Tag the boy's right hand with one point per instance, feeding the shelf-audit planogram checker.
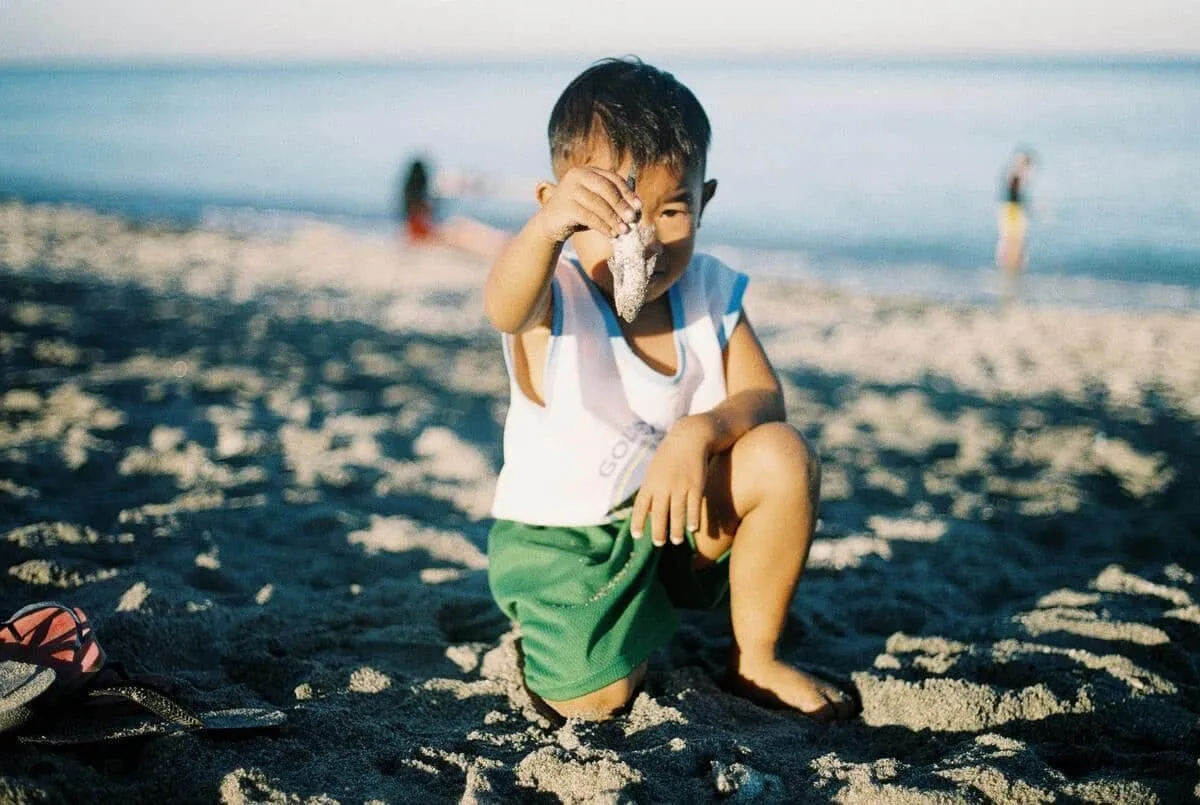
(586, 198)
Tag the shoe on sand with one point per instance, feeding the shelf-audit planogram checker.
(56, 636)
(105, 716)
(20, 684)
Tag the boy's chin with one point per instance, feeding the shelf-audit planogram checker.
(660, 281)
(657, 288)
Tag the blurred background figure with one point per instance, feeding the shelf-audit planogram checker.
(419, 219)
(415, 209)
(1013, 220)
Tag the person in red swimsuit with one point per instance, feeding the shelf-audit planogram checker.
(416, 206)
(419, 224)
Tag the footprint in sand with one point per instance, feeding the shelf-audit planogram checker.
(1074, 652)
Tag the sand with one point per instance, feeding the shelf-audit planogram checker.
(263, 466)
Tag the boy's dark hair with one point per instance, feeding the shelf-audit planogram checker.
(645, 112)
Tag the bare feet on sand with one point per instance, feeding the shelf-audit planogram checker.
(777, 684)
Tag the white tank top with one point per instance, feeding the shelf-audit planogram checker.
(579, 458)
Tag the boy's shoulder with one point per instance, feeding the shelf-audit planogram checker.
(704, 258)
(703, 262)
(711, 273)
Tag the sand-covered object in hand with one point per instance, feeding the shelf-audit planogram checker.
(631, 270)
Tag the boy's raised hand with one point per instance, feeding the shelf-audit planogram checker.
(673, 489)
(586, 198)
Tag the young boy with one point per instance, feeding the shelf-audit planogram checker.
(647, 464)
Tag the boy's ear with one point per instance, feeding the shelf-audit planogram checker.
(706, 193)
(544, 192)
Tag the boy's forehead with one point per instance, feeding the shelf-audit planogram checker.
(598, 153)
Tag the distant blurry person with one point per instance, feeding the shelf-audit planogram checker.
(1013, 219)
(416, 205)
(419, 221)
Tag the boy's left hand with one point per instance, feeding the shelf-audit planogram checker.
(673, 489)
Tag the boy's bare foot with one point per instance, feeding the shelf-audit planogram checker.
(777, 684)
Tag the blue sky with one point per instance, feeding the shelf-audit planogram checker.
(35, 30)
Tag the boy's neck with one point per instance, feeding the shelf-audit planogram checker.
(655, 317)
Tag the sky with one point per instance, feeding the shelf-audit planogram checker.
(289, 30)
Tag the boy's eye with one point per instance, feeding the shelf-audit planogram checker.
(671, 212)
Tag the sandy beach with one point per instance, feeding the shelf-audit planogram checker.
(263, 466)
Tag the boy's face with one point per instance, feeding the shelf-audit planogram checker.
(671, 202)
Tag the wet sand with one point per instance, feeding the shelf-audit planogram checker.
(263, 466)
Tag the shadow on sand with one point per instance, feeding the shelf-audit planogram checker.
(270, 505)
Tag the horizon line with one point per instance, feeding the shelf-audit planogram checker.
(732, 58)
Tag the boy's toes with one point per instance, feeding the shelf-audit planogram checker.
(825, 714)
(777, 684)
(842, 705)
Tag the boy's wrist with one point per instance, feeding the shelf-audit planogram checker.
(555, 235)
(704, 425)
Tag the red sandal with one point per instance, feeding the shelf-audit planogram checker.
(56, 636)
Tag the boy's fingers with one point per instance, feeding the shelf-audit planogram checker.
(622, 185)
(678, 515)
(695, 499)
(599, 207)
(613, 189)
(658, 520)
(595, 221)
(637, 520)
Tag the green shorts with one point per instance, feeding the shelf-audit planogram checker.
(592, 603)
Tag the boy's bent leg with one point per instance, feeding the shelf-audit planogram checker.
(603, 703)
(762, 499)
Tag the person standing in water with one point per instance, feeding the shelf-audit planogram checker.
(1013, 219)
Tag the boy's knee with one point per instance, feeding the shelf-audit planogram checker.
(602, 704)
(782, 456)
(590, 707)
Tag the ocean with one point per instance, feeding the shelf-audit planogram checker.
(875, 175)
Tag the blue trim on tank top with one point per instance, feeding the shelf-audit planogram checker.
(556, 327)
(733, 311)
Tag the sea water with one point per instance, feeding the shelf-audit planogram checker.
(872, 175)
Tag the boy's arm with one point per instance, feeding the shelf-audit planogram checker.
(754, 395)
(518, 286)
(671, 494)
